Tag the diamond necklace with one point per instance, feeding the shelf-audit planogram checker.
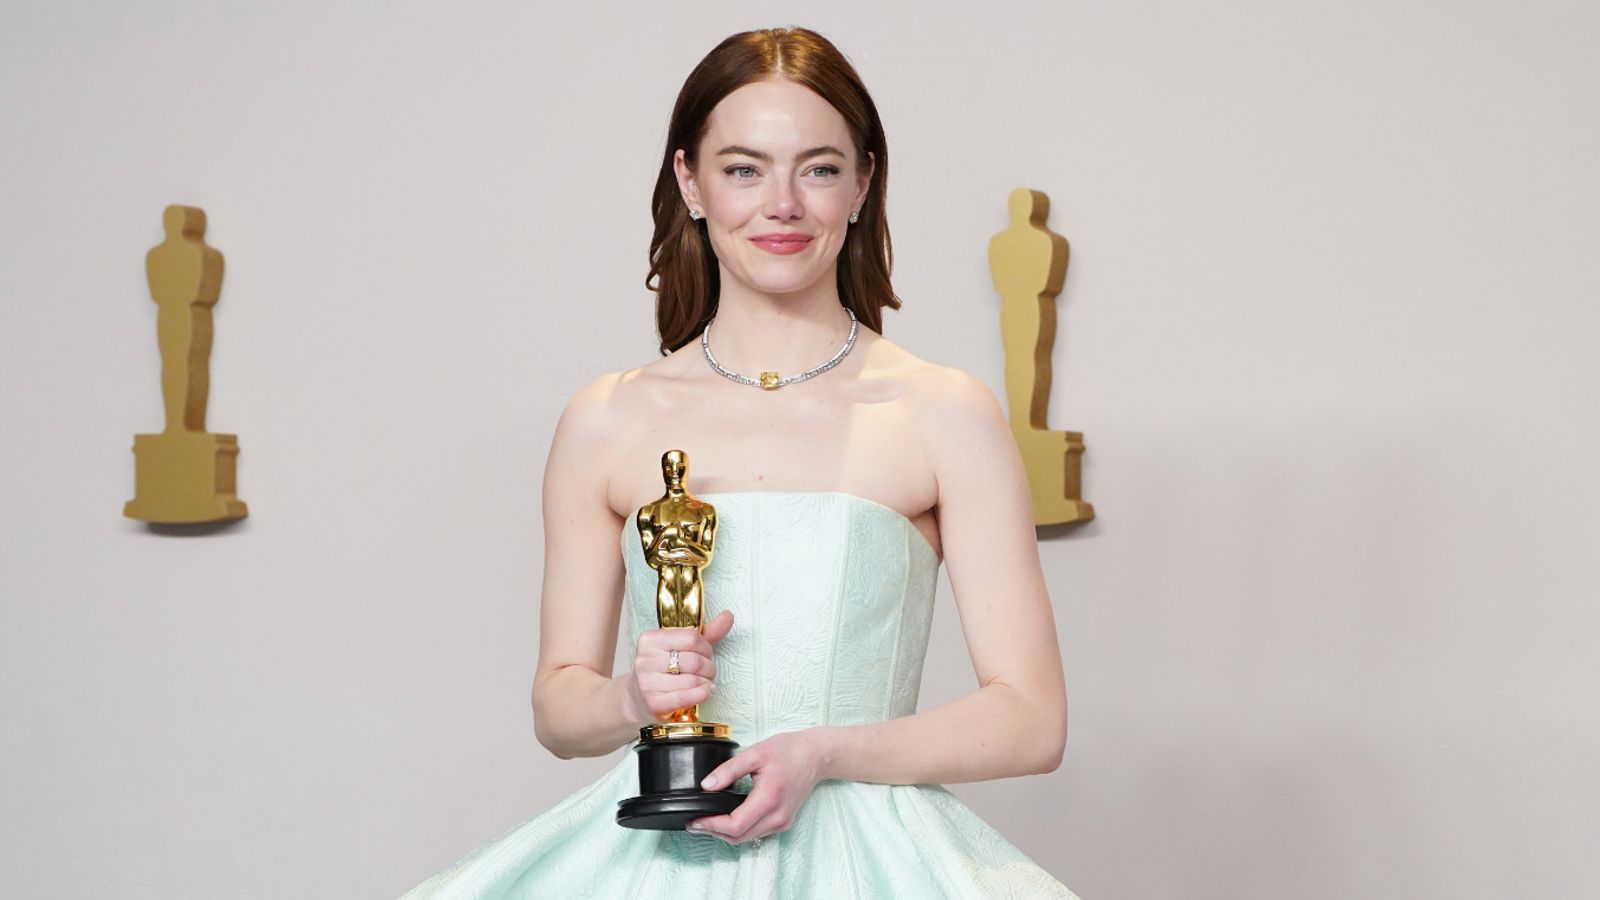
(770, 380)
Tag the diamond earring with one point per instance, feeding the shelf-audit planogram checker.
(854, 216)
(694, 214)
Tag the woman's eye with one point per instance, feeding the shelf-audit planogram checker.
(745, 173)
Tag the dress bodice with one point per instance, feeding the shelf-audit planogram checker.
(832, 597)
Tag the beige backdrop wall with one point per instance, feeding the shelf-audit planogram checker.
(1329, 328)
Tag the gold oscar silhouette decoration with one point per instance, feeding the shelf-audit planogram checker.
(184, 474)
(1029, 264)
(678, 534)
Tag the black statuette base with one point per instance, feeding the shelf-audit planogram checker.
(670, 795)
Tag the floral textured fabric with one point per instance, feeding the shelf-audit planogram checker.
(832, 596)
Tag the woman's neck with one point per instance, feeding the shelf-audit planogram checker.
(755, 332)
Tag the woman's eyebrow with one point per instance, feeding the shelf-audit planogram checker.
(736, 150)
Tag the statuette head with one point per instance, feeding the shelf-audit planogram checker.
(674, 468)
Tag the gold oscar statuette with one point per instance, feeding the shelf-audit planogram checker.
(184, 474)
(1028, 262)
(678, 534)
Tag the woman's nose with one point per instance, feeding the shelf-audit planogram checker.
(785, 200)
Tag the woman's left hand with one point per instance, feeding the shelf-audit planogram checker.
(783, 768)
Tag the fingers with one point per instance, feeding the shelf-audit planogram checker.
(678, 638)
(658, 661)
(755, 805)
(695, 652)
(662, 683)
(663, 702)
(758, 816)
(718, 627)
(740, 765)
(732, 824)
(689, 663)
(664, 691)
(771, 823)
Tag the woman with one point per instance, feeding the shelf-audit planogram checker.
(839, 491)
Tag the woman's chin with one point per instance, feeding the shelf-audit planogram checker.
(781, 282)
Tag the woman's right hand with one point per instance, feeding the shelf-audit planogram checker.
(655, 693)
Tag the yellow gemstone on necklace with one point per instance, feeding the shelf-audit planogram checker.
(769, 380)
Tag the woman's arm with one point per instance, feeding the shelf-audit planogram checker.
(579, 709)
(1015, 723)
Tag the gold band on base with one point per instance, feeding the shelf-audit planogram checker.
(669, 730)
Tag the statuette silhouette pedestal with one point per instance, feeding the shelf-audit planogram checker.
(1029, 264)
(184, 474)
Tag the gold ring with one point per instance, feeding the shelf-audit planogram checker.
(672, 663)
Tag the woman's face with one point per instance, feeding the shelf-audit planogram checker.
(776, 182)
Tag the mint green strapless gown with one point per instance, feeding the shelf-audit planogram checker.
(832, 596)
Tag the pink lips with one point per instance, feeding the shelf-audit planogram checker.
(782, 242)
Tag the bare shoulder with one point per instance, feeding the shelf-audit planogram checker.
(939, 393)
(607, 400)
(604, 415)
(571, 469)
(960, 422)
(589, 409)
(587, 431)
